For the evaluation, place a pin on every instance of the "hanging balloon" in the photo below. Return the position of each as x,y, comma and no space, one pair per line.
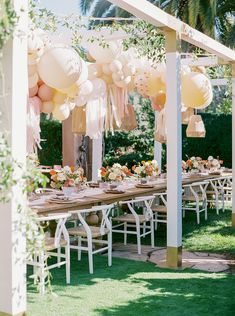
60,67
33,91
86,88
81,100
160,99
107,53
45,93
33,80
196,90
47,107
61,112
115,66
154,84
154,105
83,74
59,97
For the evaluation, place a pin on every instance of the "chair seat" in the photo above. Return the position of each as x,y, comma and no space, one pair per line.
159,209
80,231
50,243
129,218
192,198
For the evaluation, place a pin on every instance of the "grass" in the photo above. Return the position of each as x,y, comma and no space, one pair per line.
140,288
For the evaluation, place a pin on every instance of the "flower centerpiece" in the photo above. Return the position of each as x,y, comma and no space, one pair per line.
146,169
115,173
67,177
193,164
213,163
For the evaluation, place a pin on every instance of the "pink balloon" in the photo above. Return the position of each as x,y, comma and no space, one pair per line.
40,82
33,91
36,103
45,93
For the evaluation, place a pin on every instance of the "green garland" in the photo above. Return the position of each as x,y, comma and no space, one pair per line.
8,20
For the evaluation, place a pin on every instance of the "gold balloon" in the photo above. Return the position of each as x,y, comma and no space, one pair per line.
59,97
71,91
154,84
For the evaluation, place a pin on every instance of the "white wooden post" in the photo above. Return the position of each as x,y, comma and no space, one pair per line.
174,151
233,143
13,107
97,150
157,146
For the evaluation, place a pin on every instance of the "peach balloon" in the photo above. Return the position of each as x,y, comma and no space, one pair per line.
154,105
45,93
33,91
160,98
47,107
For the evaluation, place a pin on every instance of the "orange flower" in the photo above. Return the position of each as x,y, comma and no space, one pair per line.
72,168
52,172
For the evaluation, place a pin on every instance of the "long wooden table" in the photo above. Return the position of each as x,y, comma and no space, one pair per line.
107,198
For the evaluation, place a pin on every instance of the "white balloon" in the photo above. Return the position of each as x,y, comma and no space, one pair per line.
71,105
115,65
84,73
61,112
81,100
105,54
86,88
60,67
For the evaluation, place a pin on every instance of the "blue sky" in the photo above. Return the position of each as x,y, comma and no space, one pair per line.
61,6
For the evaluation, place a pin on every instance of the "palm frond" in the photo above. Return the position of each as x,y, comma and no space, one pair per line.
85,5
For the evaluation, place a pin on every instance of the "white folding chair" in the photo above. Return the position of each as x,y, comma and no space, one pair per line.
137,222
227,186
215,194
83,233
195,199
159,208
61,239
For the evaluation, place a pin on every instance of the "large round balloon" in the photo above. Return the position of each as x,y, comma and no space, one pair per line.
59,67
45,93
105,53
47,107
83,74
196,90
61,112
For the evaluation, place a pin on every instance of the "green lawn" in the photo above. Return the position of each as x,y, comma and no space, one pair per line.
139,288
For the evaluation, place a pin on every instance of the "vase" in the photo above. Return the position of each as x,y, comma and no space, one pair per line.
68,191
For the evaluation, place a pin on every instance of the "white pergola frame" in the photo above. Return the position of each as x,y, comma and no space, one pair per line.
12,241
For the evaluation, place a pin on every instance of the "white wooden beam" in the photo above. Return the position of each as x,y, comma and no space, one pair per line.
200,61
152,14
12,239
174,151
157,146
233,144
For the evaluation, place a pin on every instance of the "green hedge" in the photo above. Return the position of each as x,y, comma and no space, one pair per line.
51,135
218,142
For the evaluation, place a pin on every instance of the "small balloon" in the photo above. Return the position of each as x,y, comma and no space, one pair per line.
47,107
59,97
45,93
61,112
86,88
33,91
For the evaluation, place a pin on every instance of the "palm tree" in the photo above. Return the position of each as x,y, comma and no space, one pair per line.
212,17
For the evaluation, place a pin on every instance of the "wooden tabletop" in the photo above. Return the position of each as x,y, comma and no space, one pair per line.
108,198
